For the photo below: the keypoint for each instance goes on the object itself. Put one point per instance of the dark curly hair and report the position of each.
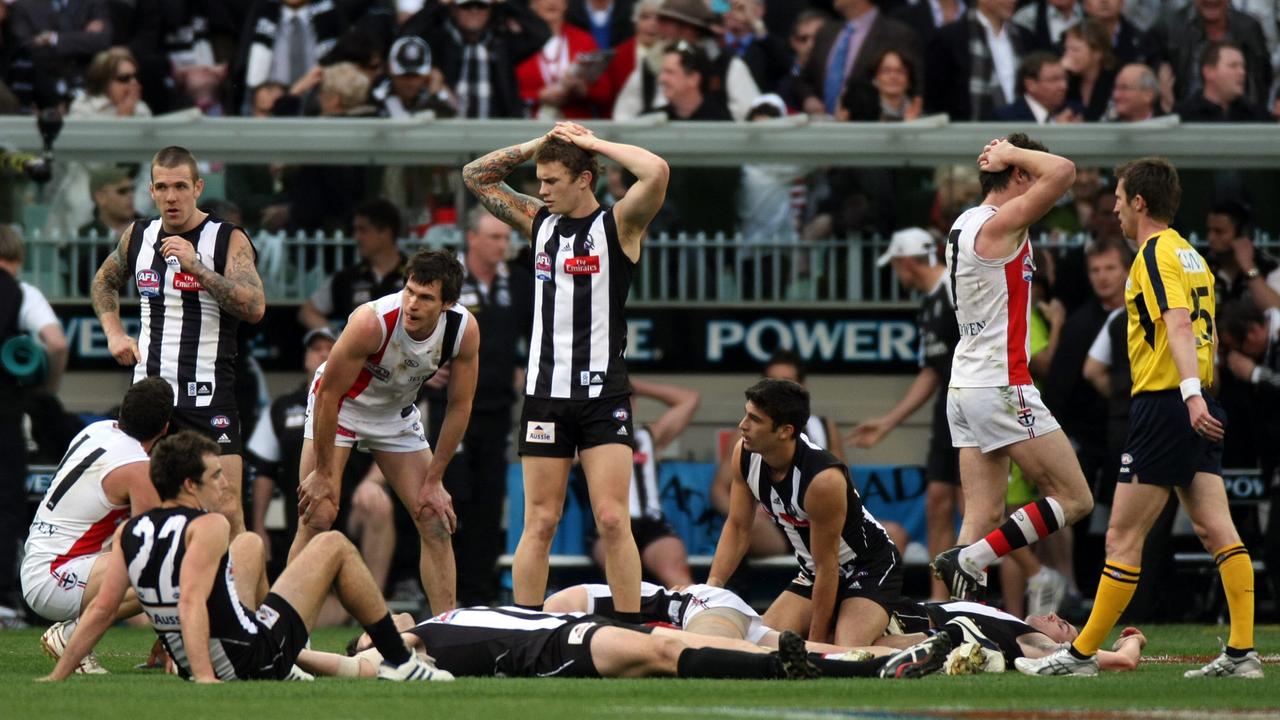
(571, 156)
(176, 458)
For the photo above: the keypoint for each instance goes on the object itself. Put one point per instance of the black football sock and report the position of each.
(386, 638)
(848, 668)
(727, 664)
(632, 618)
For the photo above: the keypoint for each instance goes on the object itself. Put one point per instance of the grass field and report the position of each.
(1156, 689)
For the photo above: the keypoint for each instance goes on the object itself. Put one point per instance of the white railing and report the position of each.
(683, 270)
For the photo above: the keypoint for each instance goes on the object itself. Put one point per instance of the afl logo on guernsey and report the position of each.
(1028, 267)
(542, 267)
(148, 283)
(220, 421)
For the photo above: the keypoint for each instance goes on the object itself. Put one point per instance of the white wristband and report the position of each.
(1189, 387)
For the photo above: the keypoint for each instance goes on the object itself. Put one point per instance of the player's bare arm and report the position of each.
(1182, 346)
(359, 339)
(105, 296)
(433, 499)
(644, 199)
(132, 484)
(98, 616)
(485, 177)
(681, 404)
(239, 289)
(208, 537)
(735, 538)
(871, 432)
(1053, 175)
(826, 503)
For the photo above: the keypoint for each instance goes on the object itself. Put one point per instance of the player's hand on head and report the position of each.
(1204, 423)
(994, 156)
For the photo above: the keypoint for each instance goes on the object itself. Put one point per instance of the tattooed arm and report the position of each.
(484, 177)
(105, 292)
(238, 289)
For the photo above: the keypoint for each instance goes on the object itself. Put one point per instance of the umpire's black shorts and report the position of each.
(943, 461)
(559, 428)
(1162, 448)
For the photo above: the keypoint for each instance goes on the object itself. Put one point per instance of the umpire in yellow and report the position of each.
(1175, 430)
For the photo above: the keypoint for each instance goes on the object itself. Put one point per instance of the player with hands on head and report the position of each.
(576, 389)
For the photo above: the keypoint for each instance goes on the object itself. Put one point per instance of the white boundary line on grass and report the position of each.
(929, 714)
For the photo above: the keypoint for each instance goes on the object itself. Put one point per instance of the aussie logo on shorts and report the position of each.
(268, 616)
(540, 432)
(220, 421)
(578, 634)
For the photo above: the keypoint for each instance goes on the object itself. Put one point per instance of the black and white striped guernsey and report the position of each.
(154, 546)
(862, 540)
(186, 337)
(646, 496)
(581, 281)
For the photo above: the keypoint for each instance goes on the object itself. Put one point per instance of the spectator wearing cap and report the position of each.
(971, 65)
(275, 449)
(727, 77)
(1134, 95)
(477, 45)
(1241, 271)
(1176, 47)
(642, 47)
(913, 253)
(1222, 96)
(380, 270)
(56, 41)
(745, 35)
(892, 95)
(112, 189)
(563, 79)
(286, 39)
(610, 22)
(1043, 82)
(849, 48)
(412, 89)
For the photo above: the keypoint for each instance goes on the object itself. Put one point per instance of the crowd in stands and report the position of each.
(1042, 61)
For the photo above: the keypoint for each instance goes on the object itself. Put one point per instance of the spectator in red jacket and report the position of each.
(562, 79)
(643, 46)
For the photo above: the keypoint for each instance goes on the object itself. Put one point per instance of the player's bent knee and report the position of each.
(332, 542)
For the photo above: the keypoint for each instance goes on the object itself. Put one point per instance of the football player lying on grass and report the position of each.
(512, 642)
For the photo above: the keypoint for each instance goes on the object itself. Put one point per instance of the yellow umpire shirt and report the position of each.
(1167, 273)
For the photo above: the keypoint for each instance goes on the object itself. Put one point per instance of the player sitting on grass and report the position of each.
(513, 642)
(179, 560)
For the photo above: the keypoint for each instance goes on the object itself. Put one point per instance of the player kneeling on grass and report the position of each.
(513, 642)
(179, 560)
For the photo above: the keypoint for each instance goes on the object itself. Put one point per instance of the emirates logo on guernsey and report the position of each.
(584, 265)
